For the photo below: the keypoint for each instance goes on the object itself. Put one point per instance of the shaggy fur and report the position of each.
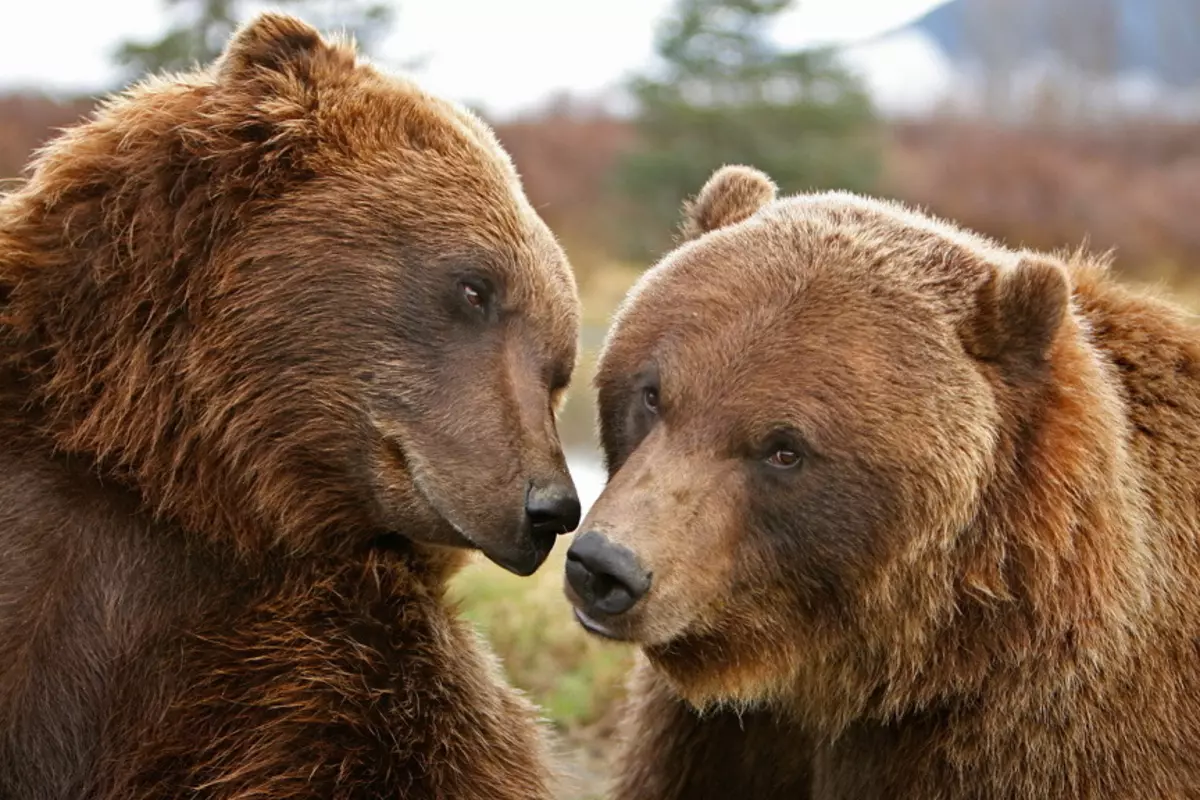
(245, 402)
(979, 578)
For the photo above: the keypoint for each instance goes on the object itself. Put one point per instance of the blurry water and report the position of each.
(588, 473)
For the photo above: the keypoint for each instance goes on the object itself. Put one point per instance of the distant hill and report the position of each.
(1159, 38)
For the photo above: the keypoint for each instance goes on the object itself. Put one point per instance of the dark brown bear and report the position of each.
(895, 512)
(272, 335)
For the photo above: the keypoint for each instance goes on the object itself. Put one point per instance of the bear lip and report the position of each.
(399, 453)
(592, 626)
(524, 564)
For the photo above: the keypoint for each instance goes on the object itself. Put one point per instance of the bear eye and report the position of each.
(784, 458)
(650, 399)
(474, 294)
(784, 452)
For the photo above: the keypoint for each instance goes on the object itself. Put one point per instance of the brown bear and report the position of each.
(895, 512)
(280, 340)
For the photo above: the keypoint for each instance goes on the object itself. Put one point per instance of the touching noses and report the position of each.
(605, 577)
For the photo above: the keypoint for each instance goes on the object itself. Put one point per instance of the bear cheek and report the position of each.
(696, 586)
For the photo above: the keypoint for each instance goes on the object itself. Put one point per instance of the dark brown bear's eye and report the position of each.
(476, 296)
(784, 458)
(650, 399)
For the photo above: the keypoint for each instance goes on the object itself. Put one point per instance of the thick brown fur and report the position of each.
(980, 577)
(251, 416)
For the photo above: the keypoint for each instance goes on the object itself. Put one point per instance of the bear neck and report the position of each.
(1056, 567)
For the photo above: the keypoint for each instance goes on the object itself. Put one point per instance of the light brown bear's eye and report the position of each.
(650, 398)
(784, 458)
(474, 295)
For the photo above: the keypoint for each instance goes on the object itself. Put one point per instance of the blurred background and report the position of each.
(1045, 123)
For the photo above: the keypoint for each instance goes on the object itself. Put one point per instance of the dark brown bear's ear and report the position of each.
(732, 194)
(1019, 312)
(270, 43)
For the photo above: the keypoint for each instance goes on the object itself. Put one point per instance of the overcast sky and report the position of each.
(505, 55)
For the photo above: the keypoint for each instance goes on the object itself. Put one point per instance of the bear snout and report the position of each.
(604, 579)
(553, 508)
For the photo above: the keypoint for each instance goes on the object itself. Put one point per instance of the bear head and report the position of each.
(298, 304)
(810, 413)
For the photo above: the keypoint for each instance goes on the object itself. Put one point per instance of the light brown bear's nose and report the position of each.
(552, 509)
(606, 577)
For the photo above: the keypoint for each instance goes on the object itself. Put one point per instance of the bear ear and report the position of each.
(1019, 312)
(270, 43)
(732, 194)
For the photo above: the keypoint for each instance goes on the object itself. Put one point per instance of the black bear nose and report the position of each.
(552, 509)
(606, 577)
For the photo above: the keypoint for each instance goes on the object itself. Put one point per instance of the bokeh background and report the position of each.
(1045, 123)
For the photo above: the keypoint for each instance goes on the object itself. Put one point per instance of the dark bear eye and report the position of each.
(650, 399)
(784, 458)
(474, 294)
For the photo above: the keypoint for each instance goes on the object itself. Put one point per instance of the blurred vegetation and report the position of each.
(576, 678)
(201, 27)
(725, 94)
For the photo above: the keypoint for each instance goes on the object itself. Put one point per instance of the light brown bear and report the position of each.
(895, 512)
(280, 340)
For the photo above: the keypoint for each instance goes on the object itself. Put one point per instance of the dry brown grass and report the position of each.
(1133, 188)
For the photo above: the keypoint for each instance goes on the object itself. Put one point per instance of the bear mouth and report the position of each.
(598, 628)
(521, 558)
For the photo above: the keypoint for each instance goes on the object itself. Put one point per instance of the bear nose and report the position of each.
(605, 576)
(552, 509)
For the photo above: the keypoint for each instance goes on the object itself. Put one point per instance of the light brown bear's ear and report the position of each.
(732, 194)
(270, 44)
(1019, 312)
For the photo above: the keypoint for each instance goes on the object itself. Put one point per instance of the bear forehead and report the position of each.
(766, 344)
(443, 169)
(437, 153)
(395, 159)
(765, 278)
(832, 261)
(878, 231)
(829, 293)
(390, 115)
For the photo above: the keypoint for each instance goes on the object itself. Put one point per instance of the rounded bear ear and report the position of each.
(1019, 312)
(270, 43)
(732, 194)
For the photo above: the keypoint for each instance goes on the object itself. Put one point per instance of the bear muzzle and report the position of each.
(551, 510)
(604, 580)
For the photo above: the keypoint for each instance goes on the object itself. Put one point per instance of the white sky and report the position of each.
(502, 54)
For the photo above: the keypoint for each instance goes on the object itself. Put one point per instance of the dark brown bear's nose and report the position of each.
(552, 509)
(606, 577)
